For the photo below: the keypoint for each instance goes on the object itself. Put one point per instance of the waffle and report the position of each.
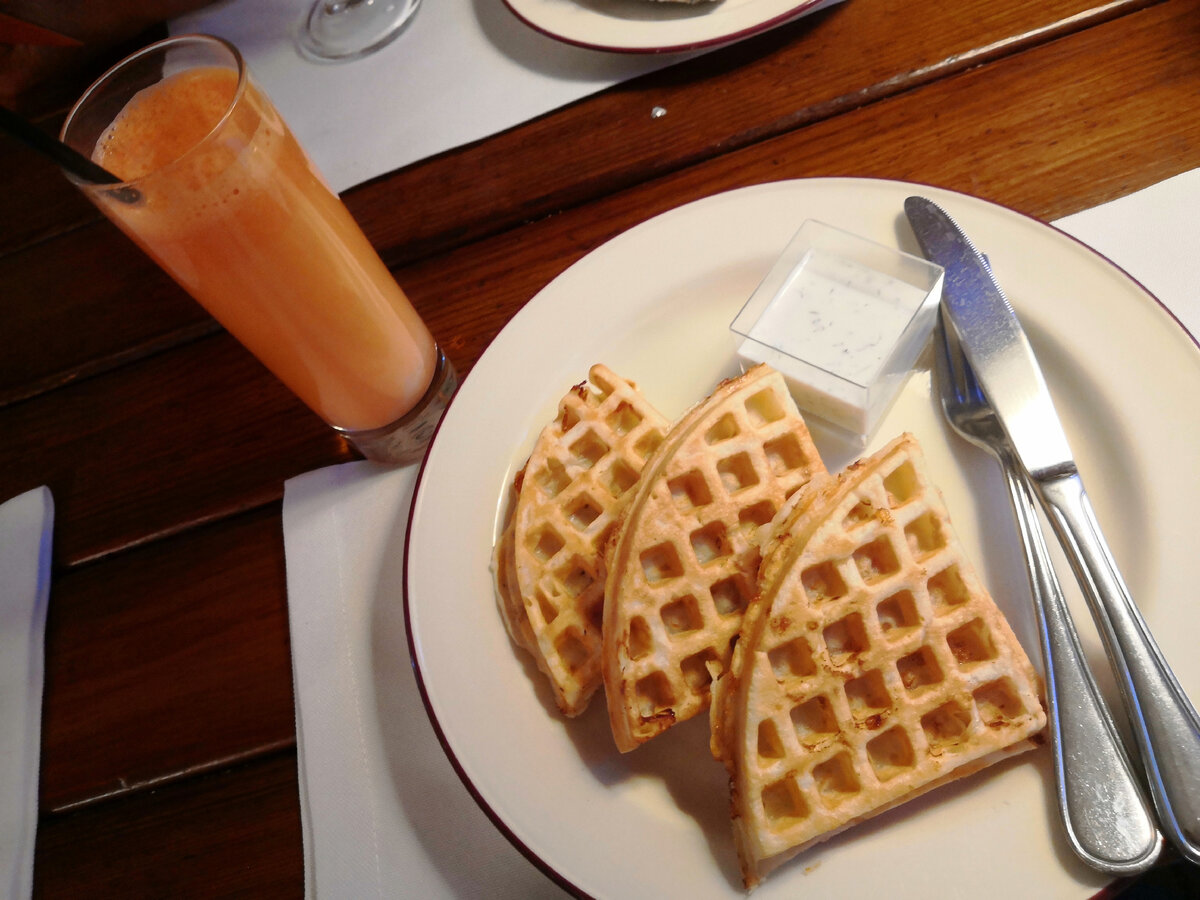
(873, 666)
(681, 566)
(549, 574)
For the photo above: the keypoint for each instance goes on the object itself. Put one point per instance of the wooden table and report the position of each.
(168, 749)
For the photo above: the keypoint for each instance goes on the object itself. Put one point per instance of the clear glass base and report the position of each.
(405, 440)
(342, 30)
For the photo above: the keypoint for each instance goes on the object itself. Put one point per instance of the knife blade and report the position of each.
(1163, 720)
(994, 340)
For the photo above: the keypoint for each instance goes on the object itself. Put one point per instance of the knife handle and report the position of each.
(1108, 819)
(1164, 722)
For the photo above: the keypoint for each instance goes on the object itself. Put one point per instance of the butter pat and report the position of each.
(844, 319)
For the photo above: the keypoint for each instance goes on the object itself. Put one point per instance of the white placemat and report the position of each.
(26, 526)
(461, 70)
(384, 813)
(1152, 234)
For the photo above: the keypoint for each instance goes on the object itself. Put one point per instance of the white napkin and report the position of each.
(384, 813)
(26, 525)
(1152, 234)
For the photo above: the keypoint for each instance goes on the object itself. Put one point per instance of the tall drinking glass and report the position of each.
(219, 193)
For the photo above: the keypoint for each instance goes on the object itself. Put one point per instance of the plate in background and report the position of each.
(657, 26)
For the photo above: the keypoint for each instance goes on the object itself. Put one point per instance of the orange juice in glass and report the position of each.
(217, 191)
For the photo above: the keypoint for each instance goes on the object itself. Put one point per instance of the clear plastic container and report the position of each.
(844, 319)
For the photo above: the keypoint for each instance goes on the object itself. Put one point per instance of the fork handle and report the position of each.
(1108, 819)
(1164, 722)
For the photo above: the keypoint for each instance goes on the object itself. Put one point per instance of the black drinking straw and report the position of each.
(64, 155)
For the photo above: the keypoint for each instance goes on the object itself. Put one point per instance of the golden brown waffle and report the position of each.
(874, 666)
(548, 569)
(682, 564)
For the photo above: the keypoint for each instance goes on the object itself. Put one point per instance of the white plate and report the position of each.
(654, 26)
(655, 304)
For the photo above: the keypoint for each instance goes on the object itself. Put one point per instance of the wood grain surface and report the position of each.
(168, 743)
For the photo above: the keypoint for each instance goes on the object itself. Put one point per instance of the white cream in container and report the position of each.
(844, 319)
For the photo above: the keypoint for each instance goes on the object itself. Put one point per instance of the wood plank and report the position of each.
(85, 303)
(176, 440)
(38, 201)
(167, 661)
(817, 67)
(193, 434)
(230, 834)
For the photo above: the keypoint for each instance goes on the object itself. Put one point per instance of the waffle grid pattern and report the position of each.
(691, 578)
(584, 464)
(895, 669)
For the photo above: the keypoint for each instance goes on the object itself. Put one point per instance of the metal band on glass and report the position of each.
(405, 440)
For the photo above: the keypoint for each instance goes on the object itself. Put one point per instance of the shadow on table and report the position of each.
(1178, 880)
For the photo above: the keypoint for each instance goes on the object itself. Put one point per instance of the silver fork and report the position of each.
(1108, 820)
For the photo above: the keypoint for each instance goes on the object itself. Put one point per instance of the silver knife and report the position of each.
(1163, 721)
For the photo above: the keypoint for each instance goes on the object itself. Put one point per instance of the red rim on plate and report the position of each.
(667, 36)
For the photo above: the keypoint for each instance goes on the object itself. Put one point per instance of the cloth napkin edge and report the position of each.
(39, 529)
